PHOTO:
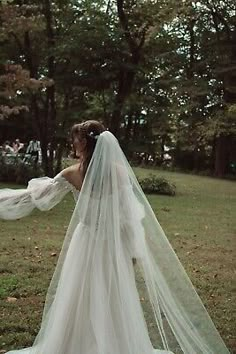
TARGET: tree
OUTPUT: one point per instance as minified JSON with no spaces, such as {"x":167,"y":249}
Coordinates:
{"x":155,"y":72}
{"x":205,"y":91}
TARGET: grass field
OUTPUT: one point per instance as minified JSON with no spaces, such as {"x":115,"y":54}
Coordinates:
{"x":199,"y":222}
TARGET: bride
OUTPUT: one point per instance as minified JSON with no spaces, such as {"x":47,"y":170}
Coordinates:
{"x":92,"y":304}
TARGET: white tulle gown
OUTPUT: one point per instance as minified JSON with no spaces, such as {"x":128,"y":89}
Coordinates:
{"x":92,"y":304}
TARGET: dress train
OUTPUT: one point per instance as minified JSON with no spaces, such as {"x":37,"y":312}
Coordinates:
{"x":76,"y":323}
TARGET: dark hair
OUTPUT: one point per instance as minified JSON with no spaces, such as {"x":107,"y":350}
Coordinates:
{"x":89,"y":130}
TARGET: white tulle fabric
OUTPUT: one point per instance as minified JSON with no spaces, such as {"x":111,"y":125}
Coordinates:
{"x":42,"y":193}
{"x":92,"y":304}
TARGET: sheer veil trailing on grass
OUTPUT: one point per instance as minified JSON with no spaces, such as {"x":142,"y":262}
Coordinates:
{"x":92,"y":304}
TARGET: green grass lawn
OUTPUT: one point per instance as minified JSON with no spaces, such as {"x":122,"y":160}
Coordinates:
{"x":199,"y":222}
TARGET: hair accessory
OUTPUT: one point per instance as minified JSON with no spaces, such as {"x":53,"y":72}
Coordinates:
{"x":92,"y":134}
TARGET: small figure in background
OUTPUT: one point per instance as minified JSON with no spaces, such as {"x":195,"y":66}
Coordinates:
{"x":7,"y":148}
{"x":17,"y":146}
{"x":34,"y":149}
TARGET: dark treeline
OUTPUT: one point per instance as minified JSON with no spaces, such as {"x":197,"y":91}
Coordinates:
{"x":158,"y":73}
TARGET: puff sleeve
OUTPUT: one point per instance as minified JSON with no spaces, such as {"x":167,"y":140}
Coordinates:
{"x":42,"y":193}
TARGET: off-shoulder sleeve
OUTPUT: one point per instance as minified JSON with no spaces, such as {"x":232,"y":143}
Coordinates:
{"x":42,"y":193}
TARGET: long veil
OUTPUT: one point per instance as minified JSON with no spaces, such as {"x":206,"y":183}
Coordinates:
{"x":122,"y":225}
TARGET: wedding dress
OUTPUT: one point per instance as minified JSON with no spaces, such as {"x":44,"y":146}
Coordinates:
{"x":92,"y":304}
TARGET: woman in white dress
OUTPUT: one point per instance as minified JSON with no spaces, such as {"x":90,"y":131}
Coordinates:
{"x":92,"y":304}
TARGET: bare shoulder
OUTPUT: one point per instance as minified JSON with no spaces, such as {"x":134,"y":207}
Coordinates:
{"x":73,"y":175}
{"x":68,"y":171}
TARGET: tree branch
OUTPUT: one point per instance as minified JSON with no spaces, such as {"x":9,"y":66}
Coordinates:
{"x":124,"y":24}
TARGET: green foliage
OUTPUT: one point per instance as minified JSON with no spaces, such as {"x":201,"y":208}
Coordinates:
{"x":157,"y":185}
{"x":168,"y":68}
{"x":18,"y":172}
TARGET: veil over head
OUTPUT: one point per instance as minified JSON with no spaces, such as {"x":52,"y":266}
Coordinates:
{"x":117,"y":224}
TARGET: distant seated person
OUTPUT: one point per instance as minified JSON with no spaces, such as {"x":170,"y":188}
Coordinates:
{"x":17,"y":146}
{"x":7,"y":148}
{"x":34,"y":149}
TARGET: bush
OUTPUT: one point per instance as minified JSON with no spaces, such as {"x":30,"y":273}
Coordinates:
{"x":16,"y":171}
{"x":157,"y":185}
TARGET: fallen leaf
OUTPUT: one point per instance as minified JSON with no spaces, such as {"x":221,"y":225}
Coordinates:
{"x":11,"y":299}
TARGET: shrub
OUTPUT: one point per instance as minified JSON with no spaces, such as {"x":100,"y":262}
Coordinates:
{"x":16,"y":171}
{"x":157,"y":185}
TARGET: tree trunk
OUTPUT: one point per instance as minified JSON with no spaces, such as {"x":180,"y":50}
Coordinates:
{"x":59,"y":155}
{"x":128,"y":128}
{"x":126,"y":77}
{"x":50,"y":105}
{"x":44,"y":149}
{"x":163,"y":140}
{"x":221,"y":156}
{"x":39,"y":123}
{"x":212,"y":156}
